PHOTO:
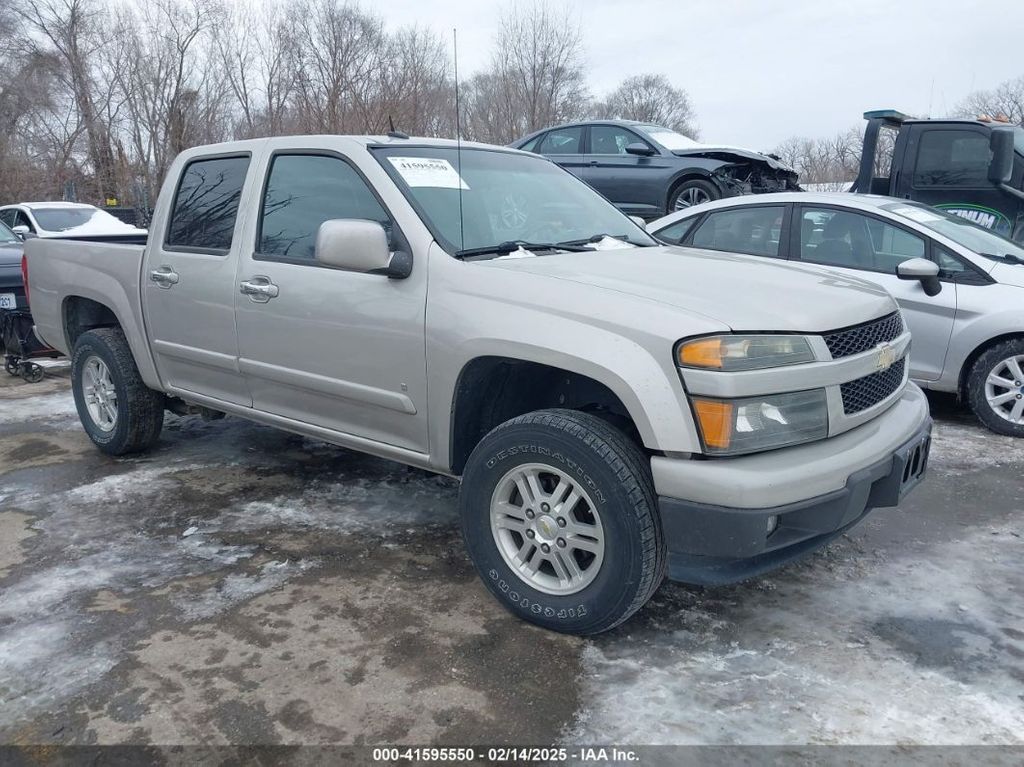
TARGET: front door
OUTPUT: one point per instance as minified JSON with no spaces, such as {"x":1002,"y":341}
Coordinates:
{"x":870,"y":248}
{"x":189,"y":282}
{"x":340,"y":350}
{"x":636,"y":184}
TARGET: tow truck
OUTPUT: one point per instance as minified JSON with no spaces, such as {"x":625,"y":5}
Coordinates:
{"x":971,"y":168}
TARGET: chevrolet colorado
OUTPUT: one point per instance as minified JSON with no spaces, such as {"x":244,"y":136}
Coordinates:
{"x":616,"y":409}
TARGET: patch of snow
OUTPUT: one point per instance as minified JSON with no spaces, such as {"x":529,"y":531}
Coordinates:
{"x":959,"y":448}
{"x":240,"y":587}
{"x":47,"y":407}
{"x":830,"y":655}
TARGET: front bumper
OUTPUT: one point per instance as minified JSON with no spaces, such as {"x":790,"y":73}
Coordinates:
{"x":711,"y":544}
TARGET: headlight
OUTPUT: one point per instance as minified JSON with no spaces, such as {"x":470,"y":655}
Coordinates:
{"x":744,"y":352}
{"x":752,"y":424}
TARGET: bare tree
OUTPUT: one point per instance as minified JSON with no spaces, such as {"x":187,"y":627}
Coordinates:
{"x":651,"y":98}
{"x":1005,"y":101}
{"x":536,"y":77}
{"x":832,"y":161}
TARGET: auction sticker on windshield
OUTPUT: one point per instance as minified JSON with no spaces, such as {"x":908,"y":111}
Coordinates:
{"x":8,"y":301}
{"x":428,"y":171}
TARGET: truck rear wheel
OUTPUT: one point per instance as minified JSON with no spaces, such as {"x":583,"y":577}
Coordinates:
{"x":118,"y":411}
{"x":560,"y":518}
{"x":995,"y":388}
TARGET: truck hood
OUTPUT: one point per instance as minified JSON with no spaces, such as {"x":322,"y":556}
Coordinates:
{"x":744,"y":293}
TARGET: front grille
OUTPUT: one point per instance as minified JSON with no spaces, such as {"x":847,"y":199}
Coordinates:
{"x":871,"y":389}
{"x":859,"y":339}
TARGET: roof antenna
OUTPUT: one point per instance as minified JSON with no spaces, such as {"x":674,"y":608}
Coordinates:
{"x":458,"y":137}
{"x":392,"y":133}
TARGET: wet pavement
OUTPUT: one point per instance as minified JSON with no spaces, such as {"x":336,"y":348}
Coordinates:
{"x":243,"y":585}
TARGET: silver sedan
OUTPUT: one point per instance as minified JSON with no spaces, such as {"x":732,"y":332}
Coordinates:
{"x":961,"y":287}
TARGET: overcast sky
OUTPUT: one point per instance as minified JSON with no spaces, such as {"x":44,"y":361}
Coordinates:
{"x":759,"y":71}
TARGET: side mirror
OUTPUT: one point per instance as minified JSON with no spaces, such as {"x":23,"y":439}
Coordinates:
{"x":639,"y":222}
{"x":359,"y":246}
{"x":639,"y":148}
{"x":22,"y":231}
{"x":927,"y":272}
{"x":1000,"y":169}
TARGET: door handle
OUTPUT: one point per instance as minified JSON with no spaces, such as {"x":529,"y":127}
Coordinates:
{"x":259,"y":289}
{"x":164,"y":277}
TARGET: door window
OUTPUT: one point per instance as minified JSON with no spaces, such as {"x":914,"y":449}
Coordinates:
{"x":206,"y":205}
{"x":611,"y":139}
{"x":851,"y":240}
{"x":754,"y":230}
{"x":952,"y":158}
{"x":674,"y":233}
{"x":7,"y":216}
{"x":302,"y":192}
{"x":562,"y":141}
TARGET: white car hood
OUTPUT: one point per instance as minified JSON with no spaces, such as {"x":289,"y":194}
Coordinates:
{"x":744,"y":293}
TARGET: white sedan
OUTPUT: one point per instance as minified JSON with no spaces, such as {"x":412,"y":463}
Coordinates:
{"x":67,"y":220}
{"x":961,"y":287}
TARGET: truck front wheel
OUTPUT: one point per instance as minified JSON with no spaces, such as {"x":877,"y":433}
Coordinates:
{"x":118,"y":411}
{"x":560,"y":518}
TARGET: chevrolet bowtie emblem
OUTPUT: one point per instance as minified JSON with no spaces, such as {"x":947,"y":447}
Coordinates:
{"x":886,"y":356}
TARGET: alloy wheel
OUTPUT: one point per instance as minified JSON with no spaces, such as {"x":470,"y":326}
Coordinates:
{"x":1004,"y":389}
{"x":547,"y":529}
{"x":689,"y":197}
{"x":100,"y":394}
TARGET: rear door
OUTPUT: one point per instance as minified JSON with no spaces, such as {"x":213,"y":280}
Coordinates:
{"x":189,"y":280}
{"x":341,"y":350}
{"x":947,"y":166}
{"x":634,"y":183}
{"x":869,"y":247}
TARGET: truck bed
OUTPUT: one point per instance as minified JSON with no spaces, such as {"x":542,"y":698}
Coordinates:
{"x":107,"y":273}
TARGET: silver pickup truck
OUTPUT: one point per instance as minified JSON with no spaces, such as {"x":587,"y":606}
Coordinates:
{"x":616,"y":409}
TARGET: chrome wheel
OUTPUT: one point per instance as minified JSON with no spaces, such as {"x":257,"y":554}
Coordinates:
{"x":1004,"y":389}
{"x":547,"y":529}
{"x":99,"y":393}
{"x":688,"y":197}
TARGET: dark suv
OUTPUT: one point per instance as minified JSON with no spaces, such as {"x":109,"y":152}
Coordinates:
{"x":648,"y":170}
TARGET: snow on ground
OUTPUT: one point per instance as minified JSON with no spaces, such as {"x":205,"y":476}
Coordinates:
{"x":48,"y":407}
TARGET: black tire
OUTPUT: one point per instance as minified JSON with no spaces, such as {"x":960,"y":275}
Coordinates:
{"x":32,"y":373}
{"x":700,"y":192}
{"x":615,"y":473}
{"x":140,"y":410}
{"x":988,"y":362}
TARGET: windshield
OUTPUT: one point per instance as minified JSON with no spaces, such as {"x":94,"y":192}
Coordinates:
{"x":1018,"y":139}
{"x":669,"y":138}
{"x":7,"y":236}
{"x":505,"y":197}
{"x":62,"y":219}
{"x":960,"y":230}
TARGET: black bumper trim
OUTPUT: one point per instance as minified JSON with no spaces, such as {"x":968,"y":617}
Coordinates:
{"x":714,"y":545}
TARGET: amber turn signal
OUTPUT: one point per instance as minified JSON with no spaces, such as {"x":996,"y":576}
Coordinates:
{"x":715,"y":419}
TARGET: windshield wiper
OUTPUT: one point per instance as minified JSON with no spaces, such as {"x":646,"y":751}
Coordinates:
{"x":1009,"y":258}
{"x":600,"y":236}
{"x":504,"y":248}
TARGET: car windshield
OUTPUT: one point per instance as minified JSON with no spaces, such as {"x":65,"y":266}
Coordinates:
{"x":1018,"y":139}
{"x":669,"y":138}
{"x":62,"y":219}
{"x":960,"y":230}
{"x":7,"y":236}
{"x":502,"y":197}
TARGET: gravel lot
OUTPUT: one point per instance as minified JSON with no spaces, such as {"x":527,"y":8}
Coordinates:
{"x":243,"y":585}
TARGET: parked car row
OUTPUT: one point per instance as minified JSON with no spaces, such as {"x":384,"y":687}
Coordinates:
{"x":68,"y":220}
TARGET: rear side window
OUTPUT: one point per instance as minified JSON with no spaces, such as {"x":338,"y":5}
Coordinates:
{"x":953,"y":158}
{"x":302,"y":192}
{"x":206,"y":204}
{"x":756,"y":231}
